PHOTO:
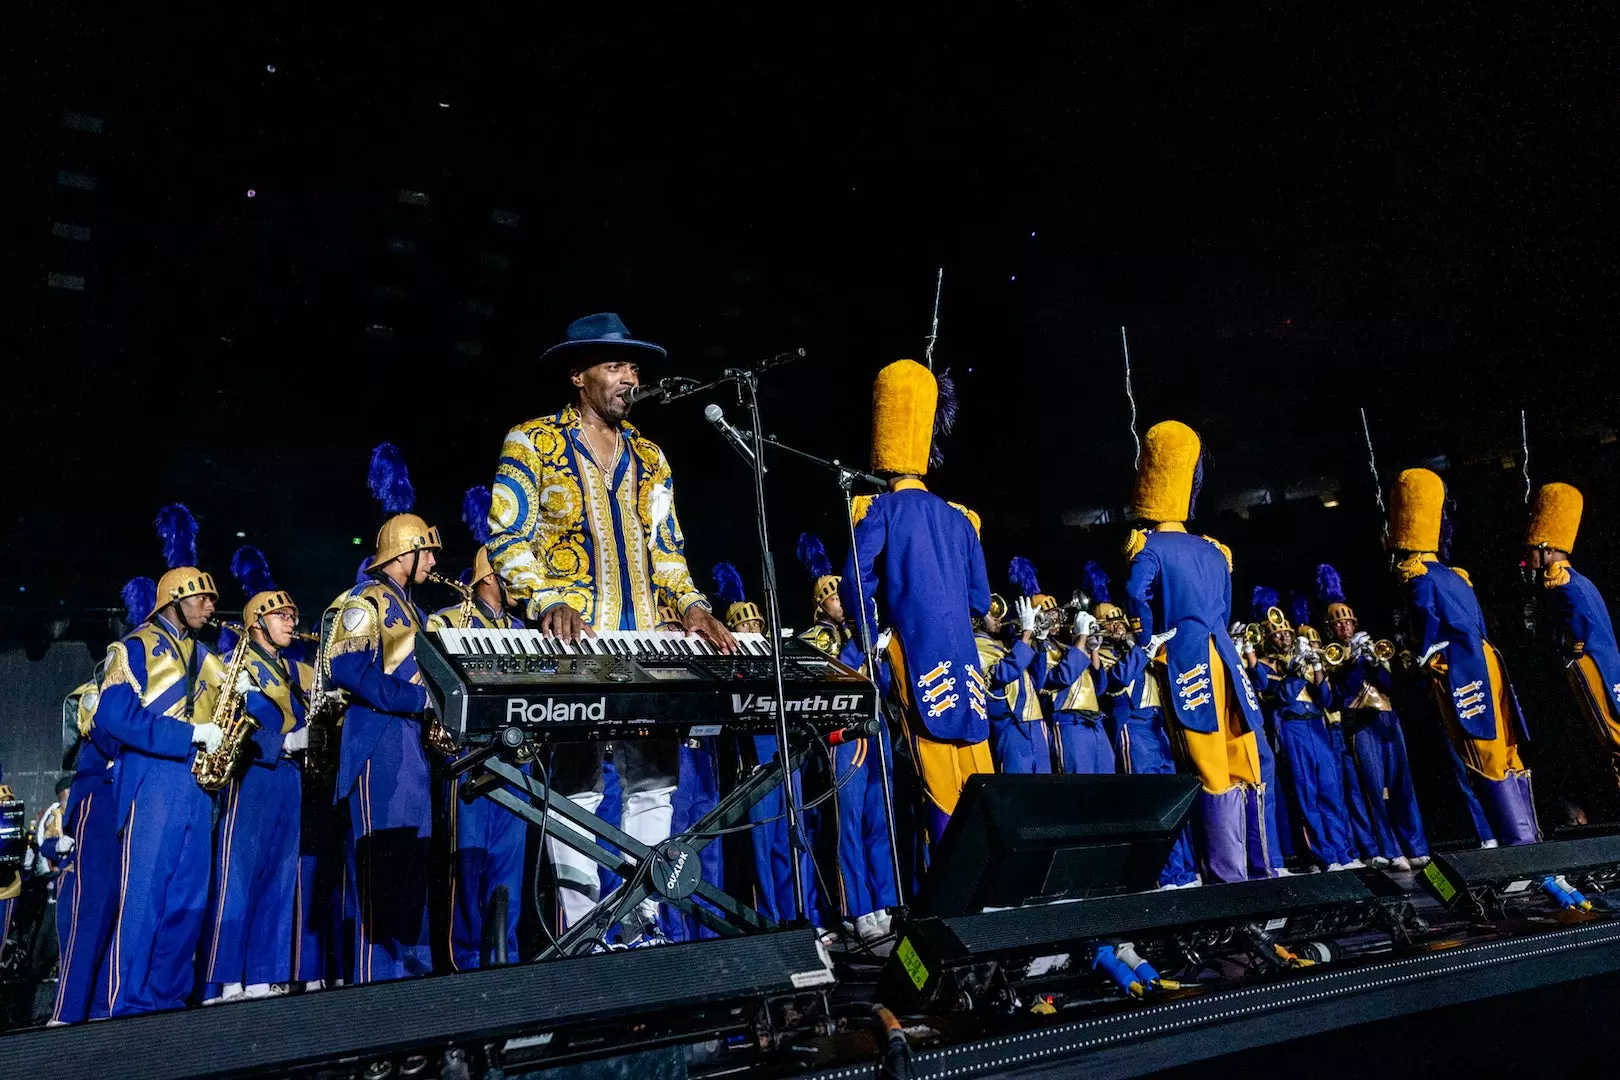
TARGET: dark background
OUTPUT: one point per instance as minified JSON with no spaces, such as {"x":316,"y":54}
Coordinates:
{"x":1297,"y":214}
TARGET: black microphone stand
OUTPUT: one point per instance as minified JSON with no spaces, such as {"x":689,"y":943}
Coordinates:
{"x":749,"y":381}
{"x":846,"y":482}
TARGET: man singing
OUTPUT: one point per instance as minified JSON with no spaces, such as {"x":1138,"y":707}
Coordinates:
{"x":584,"y":533}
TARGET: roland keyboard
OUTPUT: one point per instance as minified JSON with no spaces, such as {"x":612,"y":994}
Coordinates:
{"x":629,"y":683}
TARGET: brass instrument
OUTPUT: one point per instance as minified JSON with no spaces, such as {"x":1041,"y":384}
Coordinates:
{"x":1383,"y":650}
{"x":325,"y":711}
{"x":1334,"y":655}
{"x":214,"y":770}
{"x":434,"y":733}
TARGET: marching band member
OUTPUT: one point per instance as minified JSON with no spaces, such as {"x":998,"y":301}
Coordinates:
{"x":383,"y":771}
{"x":1275,"y":768}
{"x":156,"y":699}
{"x":865,"y":858}
{"x":1469,"y":680}
{"x":921,"y":555}
{"x":249,"y":937}
{"x":1074,"y":679}
{"x":1579,"y":616}
{"x":487,"y":839}
{"x":1180,"y":597}
{"x":1365,"y":685}
{"x":585,"y":535}
{"x":86,"y":891}
{"x":1014,"y":661}
{"x":1132,"y":691}
{"x":10,"y":881}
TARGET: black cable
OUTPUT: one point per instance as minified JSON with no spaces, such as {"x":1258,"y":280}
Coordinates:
{"x":545,"y":813}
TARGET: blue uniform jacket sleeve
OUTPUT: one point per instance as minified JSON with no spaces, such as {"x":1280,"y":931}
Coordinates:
{"x":1014,"y":664}
{"x":1139,"y":592}
{"x":871,"y":534}
{"x":978,"y":577}
{"x":120,"y":714}
{"x":1424,"y":604}
{"x":851,"y":656}
{"x":267,"y":736}
{"x":104,"y":743}
{"x":1066,"y":671}
{"x":359,"y":674}
{"x":1131,"y":666}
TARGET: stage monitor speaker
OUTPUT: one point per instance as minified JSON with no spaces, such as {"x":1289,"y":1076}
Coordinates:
{"x":1021,"y":839}
{"x":1451,"y":876}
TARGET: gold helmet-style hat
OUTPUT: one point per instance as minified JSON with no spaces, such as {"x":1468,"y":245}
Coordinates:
{"x":1170,"y":473}
{"x":403,"y":532}
{"x":178,"y":530}
{"x":1556,"y":518}
{"x":728,"y":589}
{"x":1330,"y":591}
{"x":252,"y":572}
{"x":1309,"y":633}
{"x":812,"y":555}
{"x":911,"y":410}
{"x":1416,"y":505}
{"x":475,"y":513}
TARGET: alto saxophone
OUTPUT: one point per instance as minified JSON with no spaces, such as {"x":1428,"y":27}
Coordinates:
{"x":325,"y":711}
{"x":214,"y":770}
{"x":434,"y":733}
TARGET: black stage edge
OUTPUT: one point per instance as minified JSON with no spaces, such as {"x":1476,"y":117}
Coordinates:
{"x":1146,"y":1040}
{"x":929,"y":948}
{"x":1450,"y":876}
{"x":696,"y":991}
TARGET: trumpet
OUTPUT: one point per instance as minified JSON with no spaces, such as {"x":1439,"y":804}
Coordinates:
{"x":1334,"y":654}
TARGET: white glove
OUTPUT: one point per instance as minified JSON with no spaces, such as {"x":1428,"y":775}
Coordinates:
{"x":1156,"y":642}
{"x":332,"y":695}
{"x":244,"y":684}
{"x":1085,"y":624}
{"x":883,"y":640}
{"x":1024,"y":614}
{"x":1429,"y":654}
{"x":208,"y":736}
{"x":1360,"y":640}
{"x":64,"y":844}
{"x":298,"y":740}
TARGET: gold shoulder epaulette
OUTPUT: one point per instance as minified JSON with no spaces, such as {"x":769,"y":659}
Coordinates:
{"x":1411,"y":567}
{"x":972,"y":517}
{"x":1460,"y":572}
{"x":1224,"y":550}
{"x":1134,"y":543}
{"x":1555,"y":575}
{"x":862,"y":504}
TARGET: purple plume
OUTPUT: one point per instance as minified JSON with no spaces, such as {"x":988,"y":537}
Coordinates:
{"x":1329,"y":589}
{"x":1263,"y":599}
{"x":1299,"y":608}
{"x":1096,"y":579}
{"x":252,"y":571}
{"x":944,"y":416}
{"x":813,"y":556}
{"x":178,"y":530}
{"x":362,"y":575}
{"x":1021,"y":572}
{"x":728,"y":584}
{"x":1447,"y":527}
{"x":475,"y":512}
{"x":140,"y":597}
{"x":1197,"y":486}
{"x":390,"y":481}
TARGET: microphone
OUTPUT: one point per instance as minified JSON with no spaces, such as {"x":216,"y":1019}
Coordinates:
{"x":717,"y":416}
{"x":644,"y":392}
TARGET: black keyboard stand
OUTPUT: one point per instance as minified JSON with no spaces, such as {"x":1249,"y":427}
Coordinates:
{"x":724,"y":914}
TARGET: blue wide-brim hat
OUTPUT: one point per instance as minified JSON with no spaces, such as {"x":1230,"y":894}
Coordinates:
{"x":600,"y":332}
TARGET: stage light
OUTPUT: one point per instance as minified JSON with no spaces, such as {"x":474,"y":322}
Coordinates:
{"x":444,"y":104}
{"x":1015,"y":277}
{"x":271,"y":68}
{"x":241,"y":535}
{"x":355,"y":540}
{"x":252,"y":193}
{"x":1330,"y":503}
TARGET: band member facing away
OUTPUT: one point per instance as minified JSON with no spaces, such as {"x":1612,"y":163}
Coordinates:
{"x":1180,"y":598}
{"x":87,"y":890}
{"x":249,"y":937}
{"x":1578,"y":614}
{"x":920,"y":557}
{"x":585,"y":535}
{"x":487,"y":840}
{"x":1470,"y":684}
{"x":383,"y":772}
{"x":156,"y":699}
{"x":1365,"y":684}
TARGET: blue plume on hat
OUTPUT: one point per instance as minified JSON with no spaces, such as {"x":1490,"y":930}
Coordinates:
{"x":728,"y":584}
{"x":1096,"y":583}
{"x":1299,"y":607}
{"x":813,"y":556}
{"x":1021,"y":572}
{"x":139,"y":595}
{"x":944,"y":416}
{"x":363,"y":575}
{"x":390,"y":481}
{"x":475,"y":512}
{"x":1263,"y":599}
{"x":178,"y":530}
{"x":1329,"y":589}
{"x":250,"y":568}
{"x":1197,"y":484}
{"x":1447,"y":527}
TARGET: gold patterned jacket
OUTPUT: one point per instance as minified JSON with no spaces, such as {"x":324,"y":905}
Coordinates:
{"x":563,"y":531}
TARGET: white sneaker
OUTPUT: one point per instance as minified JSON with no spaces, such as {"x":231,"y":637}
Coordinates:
{"x":869,"y":929}
{"x":254,"y":991}
{"x":1379,"y":862}
{"x":1419,"y":861}
{"x":1488,"y":845}
{"x":1355,"y":864}
{"x":1334,"y":867}
{"x":885,"y":920}
{"x":227,"y":992}
{"x":1400,"y":863}
{"x":311,"y":987}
